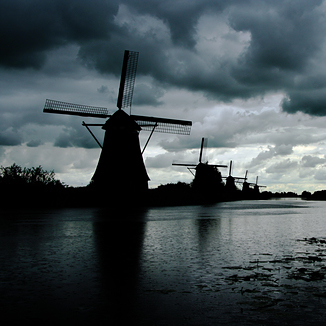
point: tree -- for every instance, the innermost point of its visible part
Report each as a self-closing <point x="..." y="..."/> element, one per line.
<point x="16" y="176"/>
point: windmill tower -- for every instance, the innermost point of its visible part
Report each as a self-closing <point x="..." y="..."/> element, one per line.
<point x="207" y="177"/>
<point x="245" y="184"/>
<point x="120" y="169"/>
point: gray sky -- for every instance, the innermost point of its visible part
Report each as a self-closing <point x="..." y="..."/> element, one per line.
<point x="251" y="75"/>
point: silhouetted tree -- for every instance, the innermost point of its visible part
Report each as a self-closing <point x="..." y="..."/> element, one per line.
<point x="16" y="176"/>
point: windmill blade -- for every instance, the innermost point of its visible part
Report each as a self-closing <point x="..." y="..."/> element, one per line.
<point x="185" y="164"/>
<point x="218" y="165"/>
<point x="52" y="106"/>
<point x="202" y="147"/>
<point x="127" y="80"/>
<point x="172" y="126"/>
<point x="230" y="168"/>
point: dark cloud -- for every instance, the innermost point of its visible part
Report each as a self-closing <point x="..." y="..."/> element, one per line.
<point x="283" y="49"/>
<point x="284" y="34"/>
<point x="71" y="137"/>
<point x="10" y="137"/>
<point x="103" y="89"/>
<point x="311" y="102"/>
<point x="147" y="95"/>
<point x="29" y="28"/>
<point x="34" y="143"/>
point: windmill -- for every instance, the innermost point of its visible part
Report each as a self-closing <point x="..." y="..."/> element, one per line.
<point x="245" y="184"/>
<point x="120" y="169"/>
<point x="230" y="180"/>
<point x="247" y="189"/>
<point x="207" y="177"/>
<point x="256" y="186"/>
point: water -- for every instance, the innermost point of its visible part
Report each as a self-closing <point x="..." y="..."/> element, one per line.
<point x="246" y="262"/>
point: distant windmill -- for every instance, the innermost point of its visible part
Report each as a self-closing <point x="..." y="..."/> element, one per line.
<point x="207" y="178"/>
<point x="256" y="186"/>
<point x="121" y="168"/>
<point x="246" y="186"/>
<point x="200" y="164"/>
<point x="230" y="180"/>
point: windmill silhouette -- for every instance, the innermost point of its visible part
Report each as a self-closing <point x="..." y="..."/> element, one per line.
<point x="121" y="169"/>
<point x="250" y="189"/>
<point x="256" y="186"/>
<point x="230" y="180"/>
<point x="207" y="177"/>
<point x="245" y="184"/>
<point x="200" y="164"/>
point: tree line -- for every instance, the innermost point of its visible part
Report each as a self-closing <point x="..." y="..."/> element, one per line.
<point x="16" y="176"/>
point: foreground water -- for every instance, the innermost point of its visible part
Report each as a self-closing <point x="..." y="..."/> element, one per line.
<point x="246" y="262"/>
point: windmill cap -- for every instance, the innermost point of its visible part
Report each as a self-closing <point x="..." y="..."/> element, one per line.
<point x="121" y="120"/>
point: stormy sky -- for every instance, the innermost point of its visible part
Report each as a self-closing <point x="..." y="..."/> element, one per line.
<point x="250" y="75"/>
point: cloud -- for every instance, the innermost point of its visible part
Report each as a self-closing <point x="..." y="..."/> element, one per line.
<point x="34" y="143"/>
<point x="282" y="167"/>
<point x="146" y="94"/>
<point x="29" y="29"/>
<point x="9" y="137"/>
<point x="103" y="89"/>
<point x="312" y="101"/>
<point x="320" y="175"/>
<point x="312" y="161"/>
<point x="263" y="156"/>
<point x="227" y="50"/>
<point x="71" y="137"/>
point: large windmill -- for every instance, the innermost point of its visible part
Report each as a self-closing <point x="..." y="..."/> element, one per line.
<point x="120" y="169"/>
<point x="206" y="176"/>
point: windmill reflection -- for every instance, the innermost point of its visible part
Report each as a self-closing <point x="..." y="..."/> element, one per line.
<point x="119" y="241"/>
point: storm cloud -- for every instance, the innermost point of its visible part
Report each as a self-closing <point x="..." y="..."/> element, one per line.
<point x="283" y="43"/>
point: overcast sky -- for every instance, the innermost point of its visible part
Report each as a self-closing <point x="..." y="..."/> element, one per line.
<point x="250" y="75"/>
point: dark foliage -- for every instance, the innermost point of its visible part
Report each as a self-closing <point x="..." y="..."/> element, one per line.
<point x="16" y="176"/>
<point x="21" y="187"/>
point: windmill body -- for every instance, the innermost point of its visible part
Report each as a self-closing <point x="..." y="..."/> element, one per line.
<point x="121" y="170"/>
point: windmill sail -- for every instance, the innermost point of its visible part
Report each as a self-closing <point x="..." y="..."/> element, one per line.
<point x="127" y="81"/>
<point x="52" y="106"/>
<point x="173" y="126"/>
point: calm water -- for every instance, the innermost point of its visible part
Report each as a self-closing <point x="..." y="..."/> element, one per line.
<point x="219" y="264"/>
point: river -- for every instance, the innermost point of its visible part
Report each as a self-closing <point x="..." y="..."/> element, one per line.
<point x="241" y="263"/>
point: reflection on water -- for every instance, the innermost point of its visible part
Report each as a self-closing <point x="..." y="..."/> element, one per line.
<point x="134" y="265"/>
